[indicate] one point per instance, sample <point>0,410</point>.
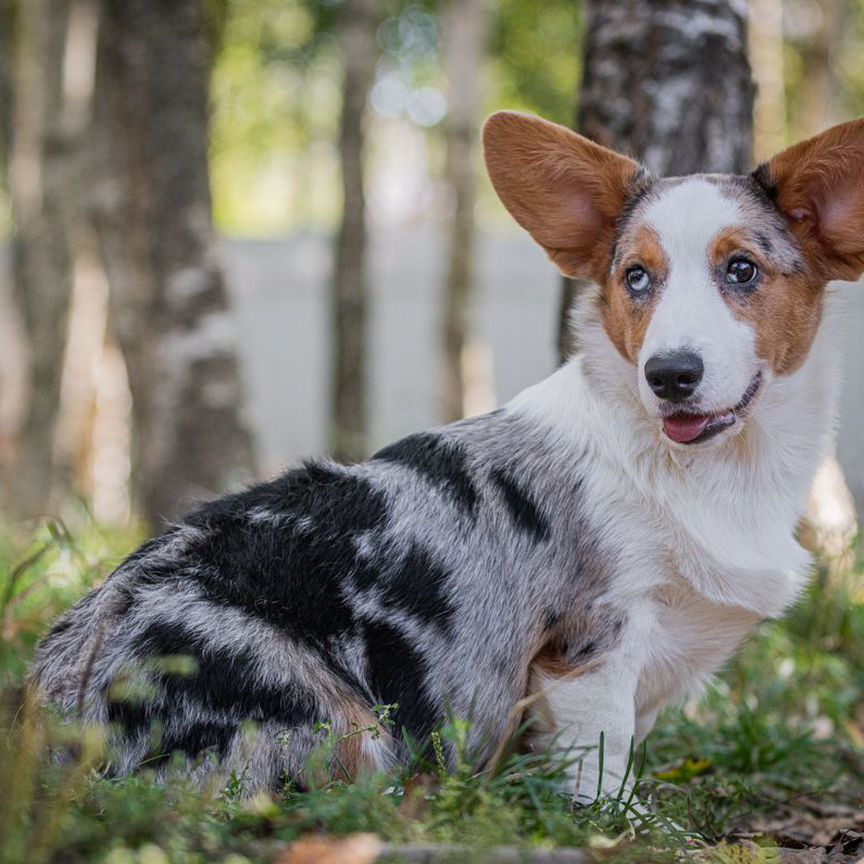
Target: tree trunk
<point>349,288</point>
<point>667,82</point>
<point>42,184</point>
<point>465,37</point>
<point>168,302</point>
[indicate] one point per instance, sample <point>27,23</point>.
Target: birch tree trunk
<point>168,300</point>
<point>466,27</point>
<point>349,288</point>
<point>42,183</point>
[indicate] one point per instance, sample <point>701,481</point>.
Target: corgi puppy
<point>588,553</point>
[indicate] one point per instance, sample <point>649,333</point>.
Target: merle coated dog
<point>589,552</point>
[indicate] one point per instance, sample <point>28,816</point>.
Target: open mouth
<point>688,428</point>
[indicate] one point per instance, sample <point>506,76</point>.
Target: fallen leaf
<point>685,771</point>
<point>354,849</point>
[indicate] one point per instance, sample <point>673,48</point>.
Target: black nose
<point>674,376</point>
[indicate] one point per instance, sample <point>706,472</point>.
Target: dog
<point>587,554</point>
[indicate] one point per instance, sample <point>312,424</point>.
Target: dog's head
<point>710,285</point>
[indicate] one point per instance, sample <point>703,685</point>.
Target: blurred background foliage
<point>277,90</point>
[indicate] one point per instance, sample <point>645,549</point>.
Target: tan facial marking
<point>784,310</point>
<point>626,319</point>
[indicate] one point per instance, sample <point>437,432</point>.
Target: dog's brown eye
<point>741,271</point>
<point>638,280</point>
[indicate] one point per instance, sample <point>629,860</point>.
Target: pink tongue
<point>685,427</point>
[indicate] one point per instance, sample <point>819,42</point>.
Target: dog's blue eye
<point>638,280</point>
<point>741,271</point>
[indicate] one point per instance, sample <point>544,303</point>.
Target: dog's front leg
<point>588,716</point>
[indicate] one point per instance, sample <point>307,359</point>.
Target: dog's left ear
<point>818,185</point>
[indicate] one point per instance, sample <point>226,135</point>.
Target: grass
<point>779,734</point>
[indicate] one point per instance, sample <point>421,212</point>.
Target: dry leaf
<point>354,849</point>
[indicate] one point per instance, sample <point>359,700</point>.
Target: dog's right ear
<point>565,190</point>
